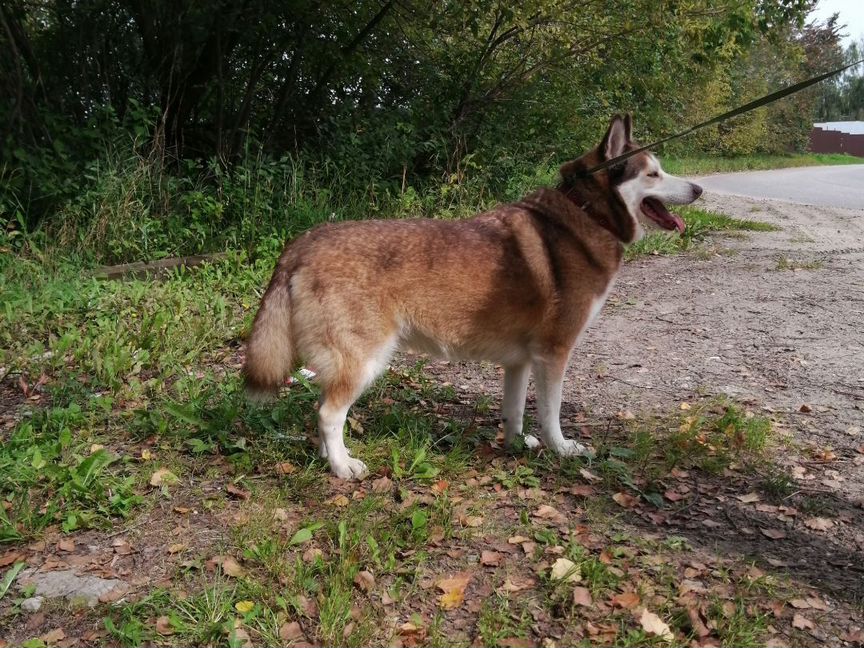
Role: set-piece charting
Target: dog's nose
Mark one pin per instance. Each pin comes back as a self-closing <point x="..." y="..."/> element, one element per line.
<point x="697" y="190"/>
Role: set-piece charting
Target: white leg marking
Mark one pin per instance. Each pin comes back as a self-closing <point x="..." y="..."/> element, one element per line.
<point x="548" y="379"/>
<point x="331" y="423"/>
<point x="513" y="407"/>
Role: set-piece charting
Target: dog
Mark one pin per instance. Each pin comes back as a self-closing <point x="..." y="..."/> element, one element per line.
<point x="516" y="286"/>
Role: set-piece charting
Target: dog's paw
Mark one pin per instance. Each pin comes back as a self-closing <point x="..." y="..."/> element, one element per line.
<point x="532" y="442"/>
<point x="350" y="469"/>
<point x="571" y="448"/>
<point x="322" y="450"/>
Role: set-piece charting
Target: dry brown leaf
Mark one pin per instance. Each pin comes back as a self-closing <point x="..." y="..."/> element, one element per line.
<point x="231" y="567"/>
<point x="291" y="632"/>
<point x="805" y="408"/>
<point x="339" y="500"/>
<point x="625" y="499"/>
<point x="774" y="534"/>
<point x="566" y="570"/>
<point x="582" y="596"/>
<point x="587" y="474"/>
<point x="582" y="490"/>
<point x="453" y="589"/>
<point x="627" y="600"/>
<point x="472" y="521"/>
<point x="490" y="558"/>
<point x="364" y="580"/>
<point x="749" y="498"/>
<point x="382" y="485"/>
<point x="517" y="584"/>
<point x="517" y="642"/>
<point x="163" y="477"/>
<point x="176" y="548"/>
<point x="163" y="626"/>
<point x="239" y="493"/>
<point x="67" y="544"/>
<point x="11" y="556"/>
<point x="654" y="625"/>
<point x="817" y="604"/>
<point x="673" y="496"/>
<point x="517" y="540"/>
<point x="697" y="623"/>
<point x="54" y="636"/>
<point x="819" y="523"/>
<point x="546" y="512"/>
<point x="285" y="468"/>
<point x="802" y="623"/>
<point x="241" y="637"/>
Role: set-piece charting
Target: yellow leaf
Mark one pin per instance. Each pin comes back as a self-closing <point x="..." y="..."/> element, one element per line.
<point x="163" y="477"/>
<point x="653" y="624"/>
<point x="244" y="607"/>
<point x="454" y="590"/>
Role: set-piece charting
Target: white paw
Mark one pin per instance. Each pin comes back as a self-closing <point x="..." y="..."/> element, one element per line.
<point x="349" y="469"/>
<point x="531" y="442"/>
<point x="571" y="448"/>
<point x="322" y="450"/>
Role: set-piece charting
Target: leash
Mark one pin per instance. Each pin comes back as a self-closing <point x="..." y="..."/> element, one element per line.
<point x="757" y="103"/>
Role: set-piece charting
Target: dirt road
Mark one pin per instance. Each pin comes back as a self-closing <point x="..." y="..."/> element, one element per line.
<point x="827" y="186"/>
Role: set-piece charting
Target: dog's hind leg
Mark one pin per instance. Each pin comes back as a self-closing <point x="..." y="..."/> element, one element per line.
<point x="548" y="380"/>
<point x="513" y="407"/>
<point x="342" y="382"/>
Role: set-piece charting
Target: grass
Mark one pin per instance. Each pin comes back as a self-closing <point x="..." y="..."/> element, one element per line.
<point x="705" y="165"/>
<point x="785" y="263"/>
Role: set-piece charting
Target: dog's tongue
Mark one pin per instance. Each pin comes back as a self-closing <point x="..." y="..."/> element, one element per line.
<point x="679" y="222"/>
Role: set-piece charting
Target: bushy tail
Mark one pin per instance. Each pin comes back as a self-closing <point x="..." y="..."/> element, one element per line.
<point x="270" y="350"/>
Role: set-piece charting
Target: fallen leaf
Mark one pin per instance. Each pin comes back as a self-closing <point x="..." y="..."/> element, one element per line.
<point x="146" y="455"/>
<point x="67" y="544"/>
<point x="516" y="642"/>
<point x="176" y="548"/>
<point x="518" y="539"/>
<point x="587" y="474"/>
<point x="805" y="408"/>
<point x="163" y="477"/>
<point x="685" y="406"/>
<point x="582" y="490"/>
<point x="582" y="596"/>
<point x="382" y="485"/>
<point x="566" y="570"/>
<point x="364" y="580"/>
<point x="654" y="625"/>
<point x="800" y="604"/>
<point x="472" y="521"/>
<point x="280" y="514"/>
<point x="239" y="493"/>
<point x="239" y="637"/>
<point x="291" y="632"/>
<point x="285" y="468"/>
<point x="454" y="590"/>
<point x="54" y="636"/>
<point x="339" y="500"/>
<point x="163" y="626"/>
<point x="802" y="623"/>
<point x="244" y="607"/>
<point x="673" y="496"/>
<point x="546" y="512"/>
<point x="749" y="498"/>
<point x="517" y="584"/>
<point x="490" y="558"/>
<point x="817" y="604"/>
<point x="627" y="600"/>
<point x="625" y="499"/>
<point x="12" y="556"/>
<point x="96" y="447"/>
<point x="819" y="524"/>
<point x="774" y="534"/>
<point x="311" y="554"/>
<point x="231" y="567"/>
<point x="697" y="623"/>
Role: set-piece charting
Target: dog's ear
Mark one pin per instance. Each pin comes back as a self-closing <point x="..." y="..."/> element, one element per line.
<point x="617" y="137"/>
<point x="628" y="127"/>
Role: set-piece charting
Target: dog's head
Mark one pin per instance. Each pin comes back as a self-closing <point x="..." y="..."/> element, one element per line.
<point x="628" y="194"/>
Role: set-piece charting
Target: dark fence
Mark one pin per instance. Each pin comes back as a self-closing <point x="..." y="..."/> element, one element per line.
<point x="831" y="141"/>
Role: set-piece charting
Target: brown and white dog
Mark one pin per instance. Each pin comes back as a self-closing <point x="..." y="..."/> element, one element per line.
<point x="517" y="286"/>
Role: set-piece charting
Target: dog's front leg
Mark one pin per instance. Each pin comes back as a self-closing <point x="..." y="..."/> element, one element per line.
<point x="548" y="380"/>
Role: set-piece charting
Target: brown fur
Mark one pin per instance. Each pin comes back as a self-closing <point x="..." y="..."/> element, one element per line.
<point x="515" y="285"/>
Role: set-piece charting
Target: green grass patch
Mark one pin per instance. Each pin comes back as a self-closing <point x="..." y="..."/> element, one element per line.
<point x="706" y="165"/>
<point x="700" y="223"/>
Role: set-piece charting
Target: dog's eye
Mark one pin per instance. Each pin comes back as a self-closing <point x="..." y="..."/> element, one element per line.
<point x="654" y="174"/>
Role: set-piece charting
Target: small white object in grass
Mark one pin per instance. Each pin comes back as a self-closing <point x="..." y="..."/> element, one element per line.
<point x="308" y="374"/>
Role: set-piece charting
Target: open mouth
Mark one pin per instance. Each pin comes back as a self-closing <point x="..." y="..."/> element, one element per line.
<point x="657" y="212"/>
